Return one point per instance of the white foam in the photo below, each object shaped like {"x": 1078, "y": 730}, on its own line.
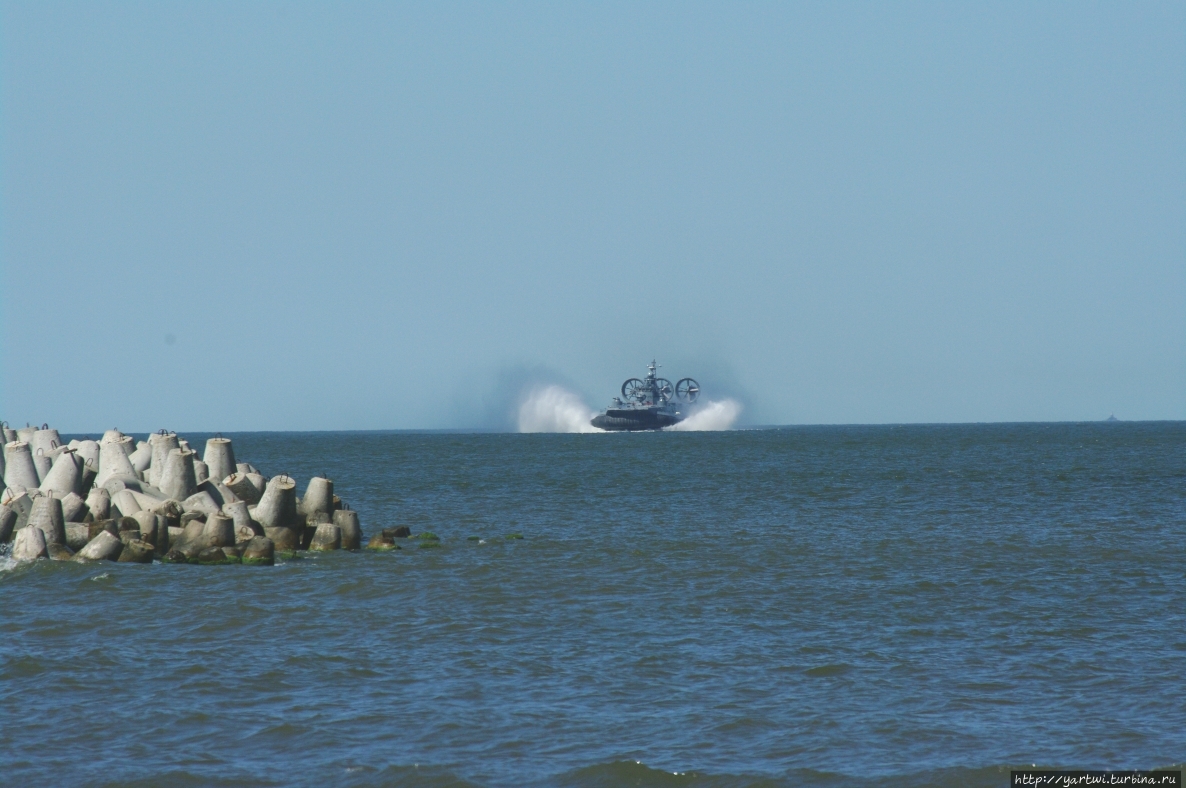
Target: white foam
{"x": 554, "y": 409}
{"x": 712, "y": 416}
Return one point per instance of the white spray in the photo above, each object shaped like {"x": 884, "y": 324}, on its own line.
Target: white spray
{"x": 554, "y": 409}
{"x": 712, "y": 416}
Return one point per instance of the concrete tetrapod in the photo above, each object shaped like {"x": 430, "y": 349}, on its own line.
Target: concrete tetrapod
{"x": 162, "y": 443}
{"x": 19, "y": 471}
{"x": 319, "y": 497}
{"x": 25, "y": 434}
{"x": 237, "y": 511}
{"x": 327, "y": 537}
{"x": 43, "y": 463}
{"x": 47, "y": 515}
{"x": 149, "y": 525}
{"x": 74, "y": 509}
{"x": 88, "y": 452}
{"x": 177, "y": 478}
{"x": 98, "y": 500}
{"x": 29, "y": 545}
{"x": 45, "y": 441}
{"x": 219, "y": 458}
{"x": 277, "y": 507}
{"x": 347, "y": 522}
{"x": 243, "y": 488}
{"x": 142, "y": 457}
{"x": 113, "y": 461}
{"x": 201, "y": 501}
{"x": 285, "y": 539}
{"x": 7, "y": 524}
{"x": 219, "y": 531}
{"x": 104, "y": 547}
{"x": 22, "y": 504}
{"x": 124, "y": 504}
{"x": 64, "y": 477}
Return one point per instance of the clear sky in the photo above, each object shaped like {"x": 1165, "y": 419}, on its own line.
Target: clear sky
{"x": 229, "y": 216}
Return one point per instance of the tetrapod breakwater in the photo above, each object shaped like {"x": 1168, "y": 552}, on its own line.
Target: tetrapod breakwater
{"x": 128, "y": 500}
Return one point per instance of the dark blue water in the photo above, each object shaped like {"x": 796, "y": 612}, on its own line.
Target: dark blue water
{"x": 811, "y": 606}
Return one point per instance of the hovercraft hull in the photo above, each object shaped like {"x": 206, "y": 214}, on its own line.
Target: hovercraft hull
{"x": 634, "y": 419}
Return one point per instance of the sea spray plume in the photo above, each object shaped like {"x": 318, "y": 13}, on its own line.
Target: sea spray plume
{"x": 710, "y": 416}
{"x": 553, "y": 408}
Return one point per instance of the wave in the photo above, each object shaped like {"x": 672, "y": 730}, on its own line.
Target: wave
{"x": 554, "y": 409}
{"x": 712, "y": 416}
{"x": 638, "y": 774}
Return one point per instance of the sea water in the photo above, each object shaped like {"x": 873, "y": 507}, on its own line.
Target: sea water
{"x": 818, "y": 606}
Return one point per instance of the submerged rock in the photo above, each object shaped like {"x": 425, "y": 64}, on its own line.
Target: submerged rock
{"x": 260, "y": 551}
{"x": 137, "y": 552}
{"x": 214, "y": 556}
{"x": 381, "y": 541}
{"x": 400, "y": 532}
{"x": 59, "y": 552}
{"x": 327, "y": 537}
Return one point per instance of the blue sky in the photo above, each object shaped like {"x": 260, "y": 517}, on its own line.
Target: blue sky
{"x": 227, "y": 216}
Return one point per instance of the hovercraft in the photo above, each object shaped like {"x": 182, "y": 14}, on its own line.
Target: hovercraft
{"x": 649, "y": 404}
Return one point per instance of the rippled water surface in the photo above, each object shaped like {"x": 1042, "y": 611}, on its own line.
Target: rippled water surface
{"x": 811, "y": 606}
